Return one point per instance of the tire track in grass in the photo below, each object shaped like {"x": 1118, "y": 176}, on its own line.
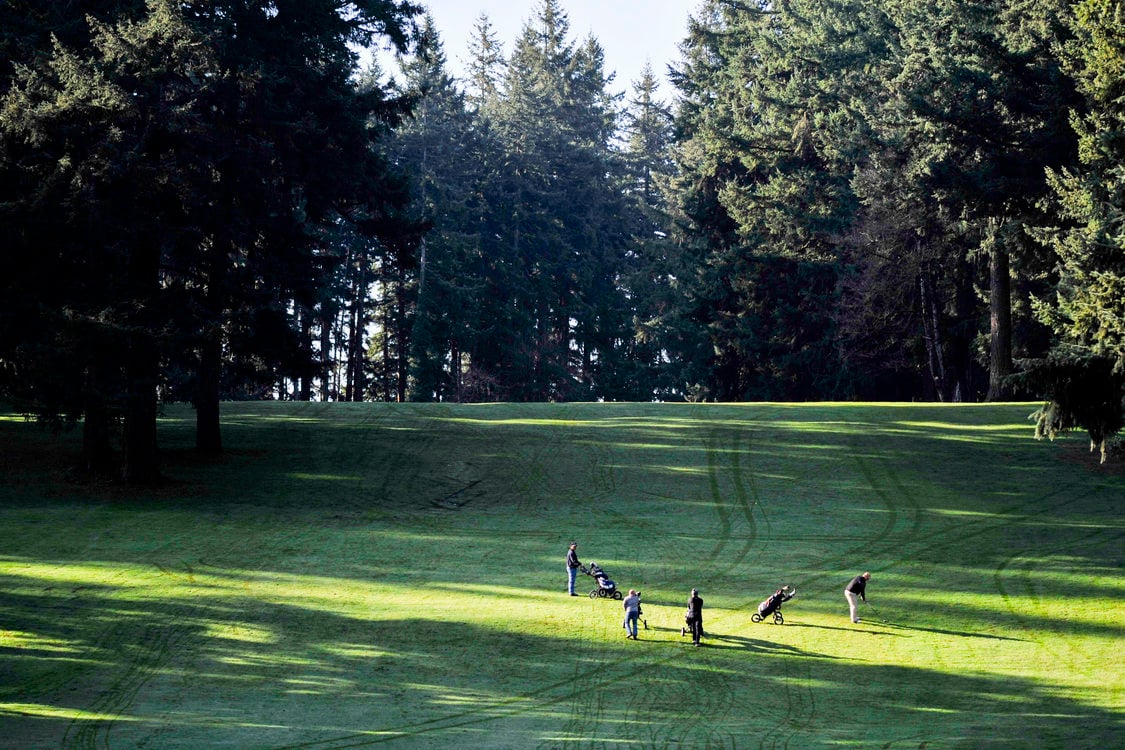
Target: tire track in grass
{"x": 745, "y": 492}
{"x": 1022, "y": 511}
{"x": 1022, "y": 571}
{"x": 611, "y": 671}
{"x": 882, "y": 538}
{"x": 146, "y": 655}
{"x": 700, "y": 729}
{"x": 581, "y": 710}
{"x": 876, "y": 487}
{"x": 917, "y": 542}
{"x": 665, "y": 697}
{"x": 617, "y": 696}
{"x": 716, "y": 501}
{"x": 1032, "y": 507}
{"x": 800, "y": 706}
{"x": 608, "y": 672}
{"x": 708, "y": 703}
{"x": 585, "y": 691}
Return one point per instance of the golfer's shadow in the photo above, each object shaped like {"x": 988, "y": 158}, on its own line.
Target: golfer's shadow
{"x": 957, "y": 633}
{"x": 852, "y": 629}
{"x": 715, "y": 640}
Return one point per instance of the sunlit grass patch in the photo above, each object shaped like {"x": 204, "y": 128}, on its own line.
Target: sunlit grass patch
{"x": 14, "y": 639}
{"x": 58, "y": 712}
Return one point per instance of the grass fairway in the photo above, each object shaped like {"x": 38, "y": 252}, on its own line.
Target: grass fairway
{"x": 355, "y": 576}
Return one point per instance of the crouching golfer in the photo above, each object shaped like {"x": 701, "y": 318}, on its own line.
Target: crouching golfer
{"x": 857, "y": 588}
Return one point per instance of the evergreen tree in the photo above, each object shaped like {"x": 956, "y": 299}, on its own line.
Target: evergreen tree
{"x": 552, "y": 317}
{"x": 1084, "y": 377}
{"x": 486, "y": 65}
{"x": 652, "y": 260}
{"x": 440, "y": 146}
{"x": 770, "y": 209}
{"x": 178, "y": 149}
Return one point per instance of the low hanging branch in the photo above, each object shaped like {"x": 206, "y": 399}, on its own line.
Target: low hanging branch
{"x": 1082, "y": 390}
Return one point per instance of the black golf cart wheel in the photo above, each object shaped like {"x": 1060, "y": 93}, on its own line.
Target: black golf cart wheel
{"x": 594, "y": 594}
{"x": 618, "y": 595}
{"x": 778, "y": 619}
{"x": 755, "y": 617}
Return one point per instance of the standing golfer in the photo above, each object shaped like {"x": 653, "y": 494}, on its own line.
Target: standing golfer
{"x": 572, "y": 566}
{"x": 857, "y": 587}
{"x": 632, "y": 605}
{"x": 695, "y": 616}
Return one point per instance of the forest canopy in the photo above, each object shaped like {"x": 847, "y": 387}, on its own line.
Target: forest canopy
{"x": 844, "y": 199}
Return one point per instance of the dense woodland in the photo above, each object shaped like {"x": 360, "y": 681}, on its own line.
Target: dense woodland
{"x": 204, "y": 200}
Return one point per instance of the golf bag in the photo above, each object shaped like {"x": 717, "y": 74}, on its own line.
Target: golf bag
{"x": 606, "y": 588}
{"x": 772, "y": 606}
{"x": 689, "y": 620}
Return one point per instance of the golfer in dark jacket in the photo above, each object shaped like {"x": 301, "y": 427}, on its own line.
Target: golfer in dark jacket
{"x": 857, "y": 588}
{"x": 695, "y": 616}
{"x": 572, "y": 566}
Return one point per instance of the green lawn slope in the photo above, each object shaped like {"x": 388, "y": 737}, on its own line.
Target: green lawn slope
{"x": 352, "y": 576}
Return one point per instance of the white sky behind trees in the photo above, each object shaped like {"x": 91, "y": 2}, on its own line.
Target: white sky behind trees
{"x": 630, "y": 31}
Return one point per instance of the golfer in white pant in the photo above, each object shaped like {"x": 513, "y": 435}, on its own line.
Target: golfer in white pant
{"x": 857, "y": 588}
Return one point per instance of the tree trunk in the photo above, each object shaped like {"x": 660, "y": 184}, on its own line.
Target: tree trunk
{"x": 305, "y": 387}
{"x": 97, "y": 445}
{"x": 1000, "y": 316}
{"x": 97, "y": 449}
{"x": 401, "y": 359}
{"x": 326, "y": 355}
{"x": 356, "y": 351}
{"x": 932, "y": 335}
{"x": 142, "y": 369}
{"x": 208, "y": 433}
{"x": 455, "y": 373}
{"x": 141, "y": 459}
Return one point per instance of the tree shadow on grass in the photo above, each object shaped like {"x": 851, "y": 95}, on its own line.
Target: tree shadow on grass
{"x": 219, "y": 668}
{"x": 107, "y": 665}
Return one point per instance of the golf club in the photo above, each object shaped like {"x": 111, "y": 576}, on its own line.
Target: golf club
{"x": 876, "y": 612}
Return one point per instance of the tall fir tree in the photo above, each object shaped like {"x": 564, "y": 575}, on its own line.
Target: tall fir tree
{"x": 440, "y": 146}
{"x": 1084, "y": 376}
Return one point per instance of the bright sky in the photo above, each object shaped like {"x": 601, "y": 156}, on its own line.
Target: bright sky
{"x": 630, "y": 31}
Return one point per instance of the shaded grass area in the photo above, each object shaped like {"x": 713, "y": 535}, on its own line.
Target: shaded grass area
{"x": 361, "y": 575}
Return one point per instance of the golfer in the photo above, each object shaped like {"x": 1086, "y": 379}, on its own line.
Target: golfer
{"x": 857, "y": 588}
{"x": 632, "y": 605}
{"x": 572, "y": 566}
{"x": 695, "y": 616}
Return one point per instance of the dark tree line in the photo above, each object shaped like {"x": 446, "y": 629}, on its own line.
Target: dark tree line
{"x": 846, "y": 199}
{"x": 179, "y": 180}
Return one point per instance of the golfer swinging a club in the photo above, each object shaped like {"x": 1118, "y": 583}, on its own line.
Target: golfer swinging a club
{"x": 857, "y": 587}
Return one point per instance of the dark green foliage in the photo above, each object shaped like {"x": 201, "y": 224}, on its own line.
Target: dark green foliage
{"x": 762, "y": 210}
{"x": 779, "y": 340}
{"x": 172, "y": 182}
{"x": 443, "y": 147}
{"x": 519, "y": 295}
{"x": 1084, "y": 376}
{"x": 1083, "y": 391}
{"x": 901, "y": 143}
{"x": 848, "y": 199}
